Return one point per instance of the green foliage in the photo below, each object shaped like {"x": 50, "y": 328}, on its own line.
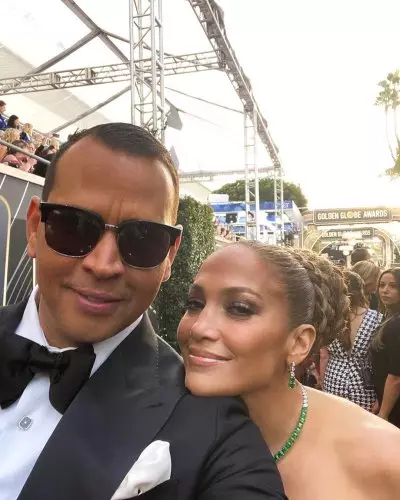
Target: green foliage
{"x": 390, "y": 94}
{"x": 236, "y": 191}
{"x": 198, "y": 241}
{"x": 389, "y": 98}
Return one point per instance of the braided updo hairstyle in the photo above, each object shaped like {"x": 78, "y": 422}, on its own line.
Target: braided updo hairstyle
{"x": 315, "y": 289}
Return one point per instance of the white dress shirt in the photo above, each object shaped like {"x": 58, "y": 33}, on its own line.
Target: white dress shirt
{"x": 26, "y": 425}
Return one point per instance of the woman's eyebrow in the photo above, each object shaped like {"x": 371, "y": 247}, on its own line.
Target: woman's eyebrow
{"x": 242, "y": 289}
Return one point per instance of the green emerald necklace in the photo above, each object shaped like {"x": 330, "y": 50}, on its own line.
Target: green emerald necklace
{"x": 296, "y": 432}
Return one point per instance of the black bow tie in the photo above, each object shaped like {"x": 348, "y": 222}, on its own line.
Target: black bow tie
{"x": 21, "y": 359}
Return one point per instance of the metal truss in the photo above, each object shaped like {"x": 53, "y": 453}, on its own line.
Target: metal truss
{"x": 251, "y": 178}
{"x": 210, "y": 17}
{"x": 95, "y": 75}
{"x": 209, "y": 176}
{"x": 279, "y": 202}
{"x": 146, "y": 36}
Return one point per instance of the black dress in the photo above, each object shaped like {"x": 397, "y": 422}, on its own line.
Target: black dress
{"x": 386, "y": 361}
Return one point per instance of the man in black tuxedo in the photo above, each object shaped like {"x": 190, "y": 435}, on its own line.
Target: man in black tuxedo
{"x": 93, "y": 403}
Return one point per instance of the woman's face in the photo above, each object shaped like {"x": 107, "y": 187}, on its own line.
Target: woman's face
{"x": 234, "y": 335}
{"x": 388, "y": 290}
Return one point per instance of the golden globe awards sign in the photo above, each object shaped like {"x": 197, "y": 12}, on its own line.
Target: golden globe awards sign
{"x": 342, "y": 234}
{"x": 352, "y": 216}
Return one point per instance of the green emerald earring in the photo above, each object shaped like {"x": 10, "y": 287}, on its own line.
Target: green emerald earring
{"x": 292, "y": 375}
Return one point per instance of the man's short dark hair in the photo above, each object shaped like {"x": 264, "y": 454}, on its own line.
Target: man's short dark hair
{"x": 123, "y": 137}
{"x": 2, "y": 103}
{"x": 360, "y": 254}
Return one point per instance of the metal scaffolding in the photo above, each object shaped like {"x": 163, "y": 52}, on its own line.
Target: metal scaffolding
{"x": 109, "y": 73}
{"x": 146, "y": 37}
{"x": 251, "y": 177}
{"x": 146, "y": 69}
{"x": 211, "y": 19}
{"x": 209, "y": 176}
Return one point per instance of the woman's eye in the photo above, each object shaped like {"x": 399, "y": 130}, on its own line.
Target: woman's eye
{"x": 240, "y": 309}
{"x": 194, "y": 305}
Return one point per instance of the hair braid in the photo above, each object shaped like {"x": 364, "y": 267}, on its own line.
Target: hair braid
{"x": 315, "y": 290}
{"x": 332, "y": 304}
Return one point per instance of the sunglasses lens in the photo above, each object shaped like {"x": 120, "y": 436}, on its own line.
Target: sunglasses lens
{"x": 144, "y": 244}
{"x": 71, "y": 231}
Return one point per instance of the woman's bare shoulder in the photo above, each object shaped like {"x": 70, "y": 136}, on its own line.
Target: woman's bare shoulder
{"x": 368, "y": 445}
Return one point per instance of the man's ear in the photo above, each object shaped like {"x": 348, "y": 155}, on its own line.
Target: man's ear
{"x": 170, "y": 259}
{"x": 300, "y": 343}
{"x": 32, "y": 225}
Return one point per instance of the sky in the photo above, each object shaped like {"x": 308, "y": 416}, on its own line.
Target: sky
{"x": 314, "y": 67}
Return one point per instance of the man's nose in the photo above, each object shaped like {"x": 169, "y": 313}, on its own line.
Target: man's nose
{"x": 104, "y": 261}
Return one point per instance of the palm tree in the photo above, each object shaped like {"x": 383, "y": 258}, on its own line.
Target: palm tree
{"x": 389, "y": 99}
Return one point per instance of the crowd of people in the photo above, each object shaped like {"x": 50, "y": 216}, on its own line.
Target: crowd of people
{"x": 25, "y": 138}
{"x": 225, "y": 232}
{"x": 363, "y": 365}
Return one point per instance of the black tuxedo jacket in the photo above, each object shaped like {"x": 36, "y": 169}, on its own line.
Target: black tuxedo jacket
{"x": 138, "y": 396}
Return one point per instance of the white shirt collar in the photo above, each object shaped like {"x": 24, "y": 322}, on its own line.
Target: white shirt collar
{"x": 30, "y": 328}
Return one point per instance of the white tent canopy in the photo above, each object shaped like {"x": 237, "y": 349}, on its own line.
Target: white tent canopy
{"x": 48, "y": 27}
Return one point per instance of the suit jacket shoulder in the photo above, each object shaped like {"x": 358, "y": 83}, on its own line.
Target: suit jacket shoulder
{"x": 11, "y": 316}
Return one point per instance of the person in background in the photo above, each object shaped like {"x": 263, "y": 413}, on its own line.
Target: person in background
{"x": 47, "y": 154}
{"x": 10, "y": 135}
{"x": 52, "y": 149}
{"x": 48, "y": 151}
{"x": 359, "y": 254}
{"x": 245, "y": 330}
{"x": 385, "y": 348}
{"x": 369, "y": 273}
{"x": 345, "y": 368}
{"x": 13, "y": 122}
{"x": 27, "y": 131}
{"x": 31, "y": 162}
{"x": 41, "y": 144}
{"x": 3, "y": 121}
{"x": 16, "y": 158}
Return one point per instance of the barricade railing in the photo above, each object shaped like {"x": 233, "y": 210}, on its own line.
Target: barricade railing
{"x": 24, "y": 151}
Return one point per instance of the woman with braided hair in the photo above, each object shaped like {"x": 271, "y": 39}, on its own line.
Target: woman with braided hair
{"x": 254, "y": 313}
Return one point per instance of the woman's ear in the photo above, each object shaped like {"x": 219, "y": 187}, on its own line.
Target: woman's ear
{"x": 300, "y": 343}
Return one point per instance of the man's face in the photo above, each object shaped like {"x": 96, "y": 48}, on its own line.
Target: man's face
{"x": 118, "y": 187}
{"x": 2, "y": 109}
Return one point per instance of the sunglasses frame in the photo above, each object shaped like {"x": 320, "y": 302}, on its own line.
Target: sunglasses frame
{"x": 45, "y": 208}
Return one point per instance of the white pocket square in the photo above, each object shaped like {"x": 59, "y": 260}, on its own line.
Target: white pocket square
{"x": 152, "y": 468}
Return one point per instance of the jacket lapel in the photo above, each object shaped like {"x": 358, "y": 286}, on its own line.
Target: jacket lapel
{"x": 111, "y": 421}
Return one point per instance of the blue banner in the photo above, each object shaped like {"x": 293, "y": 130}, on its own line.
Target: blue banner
{"x": 238, "y": 206}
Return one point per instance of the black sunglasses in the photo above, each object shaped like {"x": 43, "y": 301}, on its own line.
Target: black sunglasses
{"x": 74, "y": 232}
